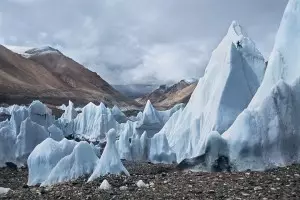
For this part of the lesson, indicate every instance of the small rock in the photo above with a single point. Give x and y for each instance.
(297, 175)
(211, 191)
(141, 184)
(151, 184)
(123, 188)
(165, 182)
(273, 189)
(257, 188)
(25, 186)
(163, 174)
(48, 189)
(245, 194)
(42, 190)
(105, 185)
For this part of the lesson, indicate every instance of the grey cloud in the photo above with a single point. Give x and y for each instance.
(137, 41)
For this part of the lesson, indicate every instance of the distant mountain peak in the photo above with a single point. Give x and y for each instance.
(166, 96)
(42, 50)
(190, 80)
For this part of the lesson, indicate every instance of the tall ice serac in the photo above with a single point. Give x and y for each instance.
(232, 77)
(267, 133)
(150, 116)
(284, 60)
(70, 113)
(94, 122)
(80, 162)
(110, 162)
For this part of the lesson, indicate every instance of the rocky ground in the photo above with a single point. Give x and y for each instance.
(165, 182)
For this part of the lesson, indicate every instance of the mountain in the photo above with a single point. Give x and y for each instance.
(135, 90)
(168, 96)
(50, 76)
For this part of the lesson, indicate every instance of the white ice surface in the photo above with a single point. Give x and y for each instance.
(7, 143)
(82, 161)
(267, 133)
(109, 162)
(31, 134)
(231, 79)
(55, 133)
(44, 158)
(94, 122)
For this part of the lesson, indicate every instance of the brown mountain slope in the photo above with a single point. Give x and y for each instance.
(166, 97)
(53, 78)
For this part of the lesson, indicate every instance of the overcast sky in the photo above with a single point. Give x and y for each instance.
(137, 41)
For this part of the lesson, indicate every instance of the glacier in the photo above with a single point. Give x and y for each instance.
(82, 161)
(267, 133)
(29, 126)
(94, 122)
(119, 116)
(55, 133)
(7, 144)
(151, 120)
(40, 114)
(240, 111)
(110, 161)
(44, 158)
(31, 134)
(231, 79)
(284, 60)
(25, 129)
(69, 113)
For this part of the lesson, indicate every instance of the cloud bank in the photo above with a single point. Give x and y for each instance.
(137, 41)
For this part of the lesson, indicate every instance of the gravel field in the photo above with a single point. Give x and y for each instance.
(165, 182)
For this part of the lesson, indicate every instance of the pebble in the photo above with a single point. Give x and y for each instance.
(257, 188)
(141, 184)
(211, 191)
(245, 194)
(123, 188)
